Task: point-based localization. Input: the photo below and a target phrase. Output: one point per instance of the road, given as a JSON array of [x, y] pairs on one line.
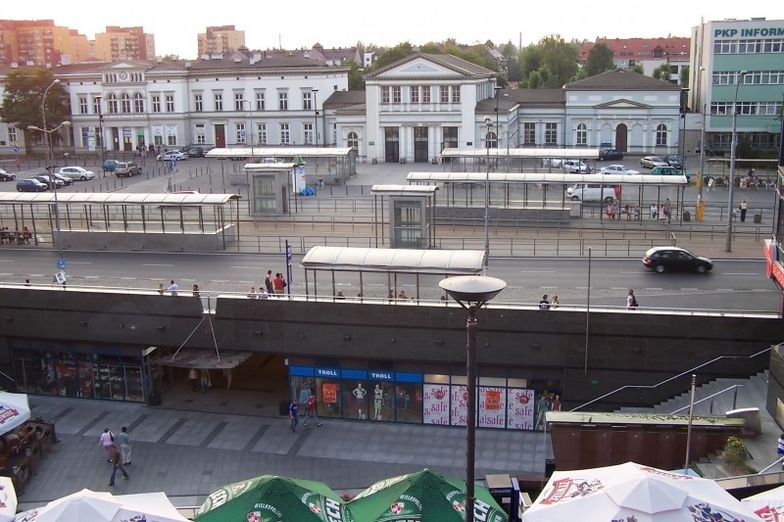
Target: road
[[734, 284]]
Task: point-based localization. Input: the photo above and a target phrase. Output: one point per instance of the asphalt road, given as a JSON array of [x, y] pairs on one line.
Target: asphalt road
[[734, 284]]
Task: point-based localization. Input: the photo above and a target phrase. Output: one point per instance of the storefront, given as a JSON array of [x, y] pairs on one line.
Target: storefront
[[503, 402], [79, 370]]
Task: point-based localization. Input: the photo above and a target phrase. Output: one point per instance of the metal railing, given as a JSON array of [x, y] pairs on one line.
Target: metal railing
[[713, 396], [671, 379]]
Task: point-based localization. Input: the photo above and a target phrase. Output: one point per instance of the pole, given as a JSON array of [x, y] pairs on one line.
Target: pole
[[99, 99], [315, 118], [487, 200], [733, 152], [691, 417], [50, 166], [471, 330], [702, 150], [587, 313]]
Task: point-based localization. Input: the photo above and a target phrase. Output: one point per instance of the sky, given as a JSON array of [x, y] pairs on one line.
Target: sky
[[343, 23]]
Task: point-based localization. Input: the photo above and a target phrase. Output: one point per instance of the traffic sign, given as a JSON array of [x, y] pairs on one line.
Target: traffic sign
[[60, 263], [16, 149]]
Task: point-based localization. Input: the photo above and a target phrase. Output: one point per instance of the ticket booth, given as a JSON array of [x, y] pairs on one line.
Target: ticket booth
[[411, 215], [269, 187]]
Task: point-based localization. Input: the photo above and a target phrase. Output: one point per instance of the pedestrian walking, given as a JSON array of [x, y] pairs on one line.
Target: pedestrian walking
[[193, 379], [268, 283], [321, 181], [544, 304], [310, 409], [106, 441], [116, 461], [293, 415], [631, 300], [743, 208], [654, 211], [173, 288], [780, 449], [125, 446]]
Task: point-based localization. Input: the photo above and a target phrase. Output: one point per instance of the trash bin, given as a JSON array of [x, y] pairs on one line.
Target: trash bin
[[758, 218], [686, 215]]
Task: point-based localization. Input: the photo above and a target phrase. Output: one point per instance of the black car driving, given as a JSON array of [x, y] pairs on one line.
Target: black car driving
[[610, 154], [675, 259]]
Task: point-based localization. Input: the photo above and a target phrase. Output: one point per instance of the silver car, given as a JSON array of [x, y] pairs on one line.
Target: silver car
[[76, 173]]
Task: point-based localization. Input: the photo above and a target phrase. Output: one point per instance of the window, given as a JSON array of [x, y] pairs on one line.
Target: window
[[200, 135], [307, 101], [138, 103], [262, 132], [285, 134], [241, 133], [396, 96], [426, 94], [450, 138], [239, 101], [455, 94], [82, 104], [156, 103], [260, 105], [550, 133], [113, 104], [12, 136], [198, 102], [169, 103], [491, 140], [529, 133], [85, 136], [444, 90], [218, 99], [415, 93], [661, 135], [97, 105], [385, 94], [125, 103], [582, 135], [307, 133], [264, 193], [353, 141], [283, 101]]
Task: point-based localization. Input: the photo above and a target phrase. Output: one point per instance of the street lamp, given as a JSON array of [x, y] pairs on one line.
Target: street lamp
[[488, 123], [250, 106], [471, 292], [315, 118], [733, 152], [98, 100]]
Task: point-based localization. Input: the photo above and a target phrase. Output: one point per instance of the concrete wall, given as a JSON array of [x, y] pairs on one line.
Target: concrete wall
[[523, 214], [624, 348]]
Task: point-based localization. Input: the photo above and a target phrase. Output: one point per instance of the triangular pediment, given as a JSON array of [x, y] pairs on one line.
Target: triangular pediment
[[622, 104], [418, 68], [431, 66]]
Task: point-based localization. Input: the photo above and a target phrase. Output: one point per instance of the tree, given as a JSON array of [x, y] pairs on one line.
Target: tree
[[637, 68], [560, 58], [662, 72], [356, 82], [530, 61], [600, 59], [684, 77], [24, 91], [400, 51]]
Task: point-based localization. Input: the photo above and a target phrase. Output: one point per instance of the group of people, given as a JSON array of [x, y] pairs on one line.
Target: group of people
[[661, 212], [632, 213], [273, 285], [311, 411], [174, 289], [14, 236], [547, 304], [118, 457]]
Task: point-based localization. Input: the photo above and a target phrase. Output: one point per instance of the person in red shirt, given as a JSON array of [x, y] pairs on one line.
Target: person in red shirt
[[310, 409], [279, 283]]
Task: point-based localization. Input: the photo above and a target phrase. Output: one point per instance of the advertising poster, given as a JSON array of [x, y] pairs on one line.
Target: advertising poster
[[520, 409], [458, 405], [491, 407], [435, 404], [329, 392]]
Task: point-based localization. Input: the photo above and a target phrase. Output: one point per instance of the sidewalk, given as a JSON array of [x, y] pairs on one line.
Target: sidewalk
[[195, 443]]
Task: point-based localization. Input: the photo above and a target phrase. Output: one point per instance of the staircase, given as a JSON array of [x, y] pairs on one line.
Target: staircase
[[749, 393]]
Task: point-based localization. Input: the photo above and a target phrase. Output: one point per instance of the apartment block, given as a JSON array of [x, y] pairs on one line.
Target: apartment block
[[124, 43], [39, 42], [220, 39]]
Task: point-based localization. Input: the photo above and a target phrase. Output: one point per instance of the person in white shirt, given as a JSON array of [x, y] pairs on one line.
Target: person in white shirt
[[173, 288], [107, 443]]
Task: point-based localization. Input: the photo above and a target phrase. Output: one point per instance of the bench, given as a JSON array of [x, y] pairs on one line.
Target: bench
[[751, 416]]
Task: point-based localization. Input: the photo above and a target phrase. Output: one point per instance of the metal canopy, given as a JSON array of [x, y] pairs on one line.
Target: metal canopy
[[278, 152], [547, 177], [404, 190], [443, 262], [521, 153], [116, 198]]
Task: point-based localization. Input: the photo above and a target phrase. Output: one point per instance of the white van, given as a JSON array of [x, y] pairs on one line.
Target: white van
[[594, 192]]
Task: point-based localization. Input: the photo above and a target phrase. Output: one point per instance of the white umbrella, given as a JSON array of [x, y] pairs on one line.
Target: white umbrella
[[769, 505], [634, 492], [81, 506], [150, 507], [7, 499], [14, 410]]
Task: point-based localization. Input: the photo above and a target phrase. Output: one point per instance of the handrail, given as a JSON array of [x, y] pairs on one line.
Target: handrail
[[682, 374], [774, 463], [734, 400]]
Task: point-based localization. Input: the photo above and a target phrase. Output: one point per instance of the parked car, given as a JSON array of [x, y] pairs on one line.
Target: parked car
[[30, 185], [666, 170], [649, 162], [127, 169], [593, 192], [109, 165], [6, 176], [48, 181], [610, 154], [198, 152], [76, 173], [674, 161], [172, 155], [66, 180], [617, 169], [576, 166], [675, 259]]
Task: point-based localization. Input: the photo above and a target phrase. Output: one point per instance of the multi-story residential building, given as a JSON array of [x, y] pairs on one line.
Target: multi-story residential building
[[723, 53], [39, 42], [650, 53], [124, 43], [338, 56], [220, 39]]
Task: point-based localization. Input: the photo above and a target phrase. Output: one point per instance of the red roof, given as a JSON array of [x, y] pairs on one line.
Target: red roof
[[642, 48]]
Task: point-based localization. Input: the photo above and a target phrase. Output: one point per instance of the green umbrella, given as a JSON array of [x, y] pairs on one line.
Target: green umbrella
[[422, 496], [272, 499]]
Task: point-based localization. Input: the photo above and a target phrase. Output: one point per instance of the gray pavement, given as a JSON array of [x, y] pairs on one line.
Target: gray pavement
[[194, 443]]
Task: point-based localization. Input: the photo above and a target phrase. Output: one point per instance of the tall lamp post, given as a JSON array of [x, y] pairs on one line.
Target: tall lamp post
[[49, 159], [250, 107], [315, 118], [488, 124], [98, 101], [733, 153], [471, 292]]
